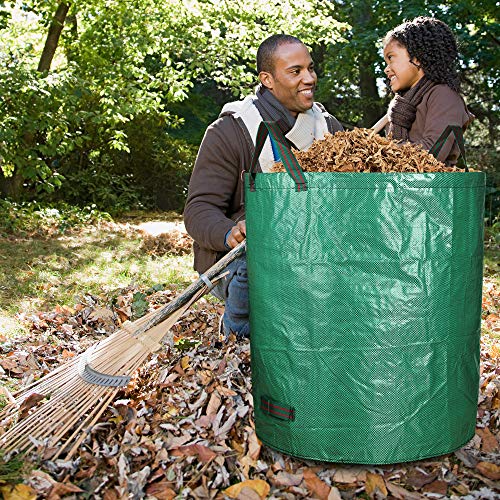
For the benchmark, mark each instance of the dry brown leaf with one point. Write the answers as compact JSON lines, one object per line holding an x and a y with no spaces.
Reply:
{"x":161,"y":490}
{"x":18,"y":492}
{"x":286,"y":479}
{"x":254,"y":445}
{"x":490,"y":470}
{"x":334,"y":494}
{"x":213,"y":405}
{"x":361,"y":150}
{"x":9,"y":363}
{"x":489,"y":442}
{"x":225,"y":391}
{"x":495,"y":403}
{"x":185,"y":362}
{"x":102,"y":314}
{"x":439,"y":487}
{"x":375,"y":483}
{"x":315,"y":485}
{"x":175,"y":242}
{"x":32,"y":400}
{"x":110,"y":494}
{"x":204,"y":453}
{"x":345,"y":476}
{"x":258,"y":485}
{"x":248,"y":494}
{"x":418,"y":478}
{"x":401,"y":494}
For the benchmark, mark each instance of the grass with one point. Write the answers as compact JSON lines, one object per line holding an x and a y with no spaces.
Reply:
{"x":40,"y":273}
{"x":11,"y":470}
{"x":492,"y":251}
{"x":99,"y":258}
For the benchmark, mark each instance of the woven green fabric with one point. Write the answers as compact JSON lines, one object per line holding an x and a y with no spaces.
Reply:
{"x":365,"y":300}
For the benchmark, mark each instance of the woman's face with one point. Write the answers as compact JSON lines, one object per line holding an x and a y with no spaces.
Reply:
{"x":402,"y":73}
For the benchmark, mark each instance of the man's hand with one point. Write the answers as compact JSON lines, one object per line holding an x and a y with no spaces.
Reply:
{"x":237,"y":234}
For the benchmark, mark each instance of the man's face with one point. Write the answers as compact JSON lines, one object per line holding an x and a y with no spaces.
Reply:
{"x":293,"y":80}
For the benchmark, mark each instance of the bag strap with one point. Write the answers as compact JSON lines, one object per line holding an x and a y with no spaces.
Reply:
{"x":459,"y":137}
{"x":276,"y":409}
{"x":287,"y":157}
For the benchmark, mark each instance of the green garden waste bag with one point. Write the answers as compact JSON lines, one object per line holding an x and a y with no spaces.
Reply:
{"x":365,"y":307}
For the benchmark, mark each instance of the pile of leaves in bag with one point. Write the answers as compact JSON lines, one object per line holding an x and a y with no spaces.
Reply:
{"x":362,"y":150}
{"x":183,"y":428}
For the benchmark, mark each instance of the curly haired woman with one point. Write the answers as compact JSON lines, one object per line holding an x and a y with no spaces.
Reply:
{"x":421,"y":60}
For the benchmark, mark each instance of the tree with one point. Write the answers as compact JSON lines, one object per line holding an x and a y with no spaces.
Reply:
{"x":115,"y":69}
{"x":53,"y":35}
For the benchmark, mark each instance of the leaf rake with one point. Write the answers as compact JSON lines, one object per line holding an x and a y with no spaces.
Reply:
{"x":60,"y":409}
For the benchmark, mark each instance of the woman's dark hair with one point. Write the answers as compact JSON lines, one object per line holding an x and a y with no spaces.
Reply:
{"x":431,"y":42}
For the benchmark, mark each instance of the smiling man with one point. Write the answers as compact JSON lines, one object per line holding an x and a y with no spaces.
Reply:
{"x":215,"y":213}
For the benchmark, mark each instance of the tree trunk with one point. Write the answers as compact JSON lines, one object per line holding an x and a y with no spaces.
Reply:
{"x":10,"y":187}
{"x":369,"y":92}
{"x":72,"y":23}
{"x":367,"y":60}
{"x":53,"y":37}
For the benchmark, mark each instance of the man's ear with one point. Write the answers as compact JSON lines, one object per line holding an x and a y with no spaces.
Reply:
{"x":266,"y":79}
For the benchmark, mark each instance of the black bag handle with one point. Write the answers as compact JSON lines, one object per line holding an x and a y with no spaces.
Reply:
{"x":459,"y":137}
{"x":287,"y":157}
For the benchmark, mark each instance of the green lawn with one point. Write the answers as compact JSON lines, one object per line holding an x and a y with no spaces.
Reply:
{"x":38,"y":274}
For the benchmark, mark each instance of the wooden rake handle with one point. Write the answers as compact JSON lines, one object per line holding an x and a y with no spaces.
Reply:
{"x":192,"y":289}
{"x":380,"y":124}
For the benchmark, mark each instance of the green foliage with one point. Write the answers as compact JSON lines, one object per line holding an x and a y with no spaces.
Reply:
{"x":36,"y":218}
{"x":100,"y":183}
{"x":114,"y":73}
{"x":4,"y":15}
{"x":201,"y":107}
{"x":478,"y":30}
{"x":167,"y":181}
{"x":140,"y":305}
{"x":482,"y":155}
{"x":32,"y":108}
{"x":113,"y":121}
{"x":492,"y":248}
{"x":185,"y":344}
{"x":154,"y":173}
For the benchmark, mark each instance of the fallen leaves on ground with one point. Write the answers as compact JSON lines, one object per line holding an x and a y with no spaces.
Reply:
{"x":175,"y":242}
{"x":362,"y":150}
{"x":184,"y":426}
{"x":18,"y":492}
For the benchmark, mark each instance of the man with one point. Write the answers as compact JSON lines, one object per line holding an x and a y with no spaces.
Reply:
{"x":215,"y":214}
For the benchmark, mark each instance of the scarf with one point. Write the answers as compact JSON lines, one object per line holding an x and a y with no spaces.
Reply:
{"x":299,"y":132}
{"x":272,"y":110}
{"x":403,"y":108}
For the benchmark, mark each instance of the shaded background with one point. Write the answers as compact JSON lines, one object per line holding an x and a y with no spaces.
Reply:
{"x":106,"y":103}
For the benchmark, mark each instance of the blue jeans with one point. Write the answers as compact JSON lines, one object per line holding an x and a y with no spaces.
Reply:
{"x":233,"y":290}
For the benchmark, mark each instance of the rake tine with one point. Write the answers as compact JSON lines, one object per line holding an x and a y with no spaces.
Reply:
{"x":81,"y":389}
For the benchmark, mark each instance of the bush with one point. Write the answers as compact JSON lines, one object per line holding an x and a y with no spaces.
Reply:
{"x":101,"y":184}
{"x":168,"y":182}
{"x":154,"y":173}
{"x":34,"y":218}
